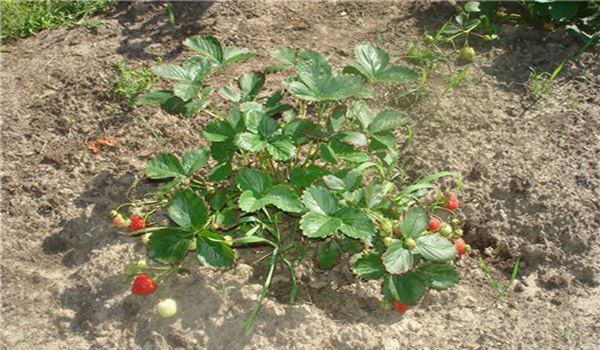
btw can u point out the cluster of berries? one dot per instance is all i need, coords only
(133, 223)
(450, 230)
(143, 283)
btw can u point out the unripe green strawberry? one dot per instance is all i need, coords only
(388, 241)
(458, 232)
(192, 246)
(214, 226)
(428, 39)
(166, 308)
(468, 54)
(410, 243)
(146, 238)
(140, 264)
(445, 230)
(386, 227)
(228, 240)
(120, 222)
(455, 222)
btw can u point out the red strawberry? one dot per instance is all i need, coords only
(143, 285)
(137, 223)
(460, 245)
(434, 224)
(451, 202)
(401, 308)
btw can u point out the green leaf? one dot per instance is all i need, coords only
(360, 112)
(328, 255)
(397, 259)
(168, 245)
(164, 166)
(407, 288)
(253, 114)
(452, 29)
(250, 84)
(250, 202)
(281, 149)
(302, 178)
(435, 248)
(235, 54)
(220, 131)
(227, 219)
(173, 72)
(194, 160)
(314, 70)
(373, 195)
(334, 183)
(213, 252)
(373, 64)
(206, 46)
(250, 142)
(287, 55)
(284, 198)
(317, 82)
(319, 225)
(155, 97)
(188, 210)
(440, 276)
(347, 152)
(220, 172)
(230, 93)
(354, 138)
(414, 222)
(320, 200)
(253, 180)
(355, 223)
(219, 199)
(369, 267)
(388, 119)
(472, 6)
(186, 90)
(399, 75)
(336, 121)
(372, 58)
(266, 127)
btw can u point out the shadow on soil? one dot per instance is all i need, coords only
(147, 23)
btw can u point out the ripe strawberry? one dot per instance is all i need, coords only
(434, 224)
(137, 223)
(460, 245)
(401, 308)
(143, 285)
(451, 202)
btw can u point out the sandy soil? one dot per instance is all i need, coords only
(530, 191)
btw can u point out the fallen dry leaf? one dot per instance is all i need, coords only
(97, 144)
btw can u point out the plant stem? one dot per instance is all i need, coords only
(263, 293)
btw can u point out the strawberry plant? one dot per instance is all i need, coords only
(310, 166)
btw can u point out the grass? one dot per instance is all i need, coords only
(502, 291)
(540, 84)
(21, 18)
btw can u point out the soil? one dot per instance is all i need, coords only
(530, 172)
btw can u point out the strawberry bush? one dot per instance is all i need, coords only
(310, 166)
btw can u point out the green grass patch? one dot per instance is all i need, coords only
(20, 18)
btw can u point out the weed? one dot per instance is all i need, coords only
(500, 289)
(540, 83)
(171, 15)
(128, 83)
(22, 18)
